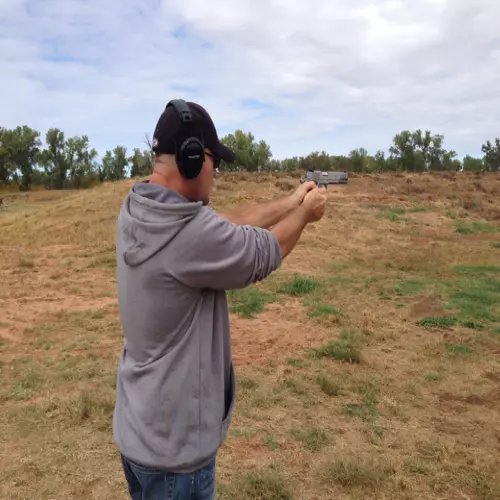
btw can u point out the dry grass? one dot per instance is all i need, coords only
(368, 365)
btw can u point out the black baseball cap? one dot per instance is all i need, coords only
(170, 129)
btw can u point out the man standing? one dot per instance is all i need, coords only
(176, 258)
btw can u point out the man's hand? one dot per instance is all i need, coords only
(299, 194)
(314, 204)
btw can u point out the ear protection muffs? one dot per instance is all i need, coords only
(189, 151)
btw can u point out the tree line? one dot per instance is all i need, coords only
(70, 162)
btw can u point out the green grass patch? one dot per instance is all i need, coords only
(459, 349)
(438, 322)
(250, 301)
(313, 439)
(477, 300)
(299, 286)
(477, 270)
(462, 227)
(318, 310)
(391, 213)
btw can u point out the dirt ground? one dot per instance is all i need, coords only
(368, 365)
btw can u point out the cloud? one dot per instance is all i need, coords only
(325, 75)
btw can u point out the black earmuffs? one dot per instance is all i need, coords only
(189, 151)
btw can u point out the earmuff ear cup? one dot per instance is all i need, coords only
(190, 157)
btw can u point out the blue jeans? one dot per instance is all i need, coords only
(152, 484)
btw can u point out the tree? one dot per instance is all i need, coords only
(54, 160)
(471, 164)
(250, 155)
(492, 155)
(18, 152)
(114, 165)
(141, 163)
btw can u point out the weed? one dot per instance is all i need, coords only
(28, 385)
(248, 383)
(249, 301)
(339, 350)
(91, 406)
(328, 386)
(496, 244)
(295, 386)
(270, 442)
(416, 466)
(438, 322)
(299, 286)
(313, 439)
(366, 410)
(353, 472)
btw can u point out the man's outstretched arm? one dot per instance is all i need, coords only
(266, 215)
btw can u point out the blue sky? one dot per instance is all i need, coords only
(320, 75)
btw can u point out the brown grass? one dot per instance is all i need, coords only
(342, 393)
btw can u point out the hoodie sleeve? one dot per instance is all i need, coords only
(214, 253)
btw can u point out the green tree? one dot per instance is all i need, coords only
(492, 155)
(471, 164)
(54, 159)
(250, 155)
(114, 165)
(19, 152)
(141, 163)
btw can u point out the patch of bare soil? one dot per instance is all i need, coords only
(278, 333)
(19, 315)
(426, 307)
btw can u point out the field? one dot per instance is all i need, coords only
(368, 366)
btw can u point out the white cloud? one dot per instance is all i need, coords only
(335, 74)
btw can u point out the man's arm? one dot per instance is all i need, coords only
(262, 215)
(266, 215)
(288, 230)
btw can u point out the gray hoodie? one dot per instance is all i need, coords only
(176, 384)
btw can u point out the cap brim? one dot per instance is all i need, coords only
(224, 152)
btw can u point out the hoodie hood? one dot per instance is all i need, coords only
(150, 218)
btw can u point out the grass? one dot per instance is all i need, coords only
(259, 484)
(365, 410)
(299, 286)
(249, 302)
(339, 394)
(463, 227)
(318, 310)
(312, 439)
(352, 473)
(340, 350)
(392, 213)
(328, 386)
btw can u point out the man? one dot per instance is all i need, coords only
(176, 258)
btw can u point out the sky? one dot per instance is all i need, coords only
(322, 75)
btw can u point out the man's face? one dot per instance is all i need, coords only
(207, 175)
